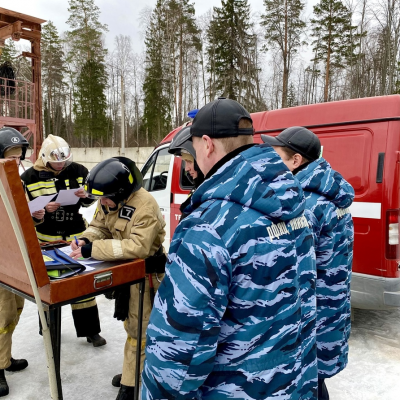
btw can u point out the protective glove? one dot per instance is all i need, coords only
(122, 296)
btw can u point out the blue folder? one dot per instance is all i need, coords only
(59, 265)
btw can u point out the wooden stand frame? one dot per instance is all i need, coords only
(22, 271)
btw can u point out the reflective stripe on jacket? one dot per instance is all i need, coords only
(66, 221)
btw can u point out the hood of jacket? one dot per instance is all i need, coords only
(319, 177)
(39, 166)
(258, 179)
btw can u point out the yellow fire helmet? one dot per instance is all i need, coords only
(56, 150)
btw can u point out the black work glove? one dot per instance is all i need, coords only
(86, 250)
(122, 296)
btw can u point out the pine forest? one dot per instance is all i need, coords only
(287, 55)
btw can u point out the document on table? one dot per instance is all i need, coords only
(67, 197)
(83, 261)
(39, 203)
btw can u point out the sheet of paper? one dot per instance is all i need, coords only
(83, 261)
(67, 197)
(39, 203)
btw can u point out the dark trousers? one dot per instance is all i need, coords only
(86, 321)
(322, 390)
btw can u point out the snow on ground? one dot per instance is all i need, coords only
(373, 372)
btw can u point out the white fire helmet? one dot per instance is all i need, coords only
(55, 150)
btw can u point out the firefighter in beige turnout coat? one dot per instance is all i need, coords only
(12, 147)
(128, 224)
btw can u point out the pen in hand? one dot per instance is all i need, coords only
(76, 241)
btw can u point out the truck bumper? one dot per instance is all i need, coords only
(374, 292)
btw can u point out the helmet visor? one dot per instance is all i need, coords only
(60, 155)
(97, 194)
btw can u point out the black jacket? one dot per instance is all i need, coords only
(65, 222)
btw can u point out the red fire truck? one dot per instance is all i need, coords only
(361, 140)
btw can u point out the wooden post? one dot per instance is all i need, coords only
(37, 80)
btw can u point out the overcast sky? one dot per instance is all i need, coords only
(121, 16)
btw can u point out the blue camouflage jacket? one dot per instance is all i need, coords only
(328, 196)
(235, 314)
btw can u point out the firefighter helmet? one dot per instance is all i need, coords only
(116, 178)
(9, 138)
(55, 150)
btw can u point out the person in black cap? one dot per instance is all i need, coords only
(228, 319)
(328, 196)
(297, 146)
(182, 146)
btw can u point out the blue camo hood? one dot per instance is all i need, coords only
(256, 178)
(319, 177)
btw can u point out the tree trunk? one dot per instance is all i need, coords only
(285, 82)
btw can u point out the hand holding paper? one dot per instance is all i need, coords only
(39, 203)
(67, 197)
(80, 193)
(52, 206)
(39, 214)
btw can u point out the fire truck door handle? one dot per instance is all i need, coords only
(379, 171)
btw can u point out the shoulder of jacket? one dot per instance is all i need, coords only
(28, 174)
(142, 199)
(76, 167)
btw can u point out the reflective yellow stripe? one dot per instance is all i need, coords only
(83, 304)
(47, 238)
(80, 180)
(44, 192)
(41, 184)
(42, 189)
(8, 329)
(116, 246)
(133, 342)
(71, 238)
(130, 178)
(67, 183)
(97, 192)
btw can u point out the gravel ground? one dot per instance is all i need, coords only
(373, 372)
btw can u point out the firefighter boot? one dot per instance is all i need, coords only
(96, 340)
(3, 384)
(116, 381)
(17, 365)
(126, 393)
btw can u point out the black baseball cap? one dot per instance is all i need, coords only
(299, 139)
(220, 119)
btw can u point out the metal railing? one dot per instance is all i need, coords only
(17, 99)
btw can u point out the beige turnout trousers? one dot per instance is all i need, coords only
(131, 327)
(11, 306)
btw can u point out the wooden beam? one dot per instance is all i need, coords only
(28, 54)
(21, 17)
(11, 30)
(30, 35)
(36, 79)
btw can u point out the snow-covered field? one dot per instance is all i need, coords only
(373, 372)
